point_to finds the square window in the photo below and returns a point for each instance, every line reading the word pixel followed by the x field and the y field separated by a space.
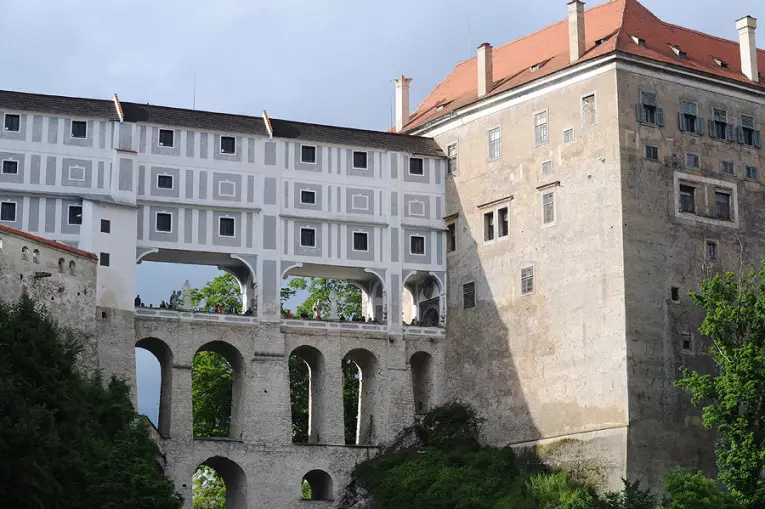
pixel 164 222
pixel 727 167
pixel 468 295
pixel 495 144
pixel 589 111
pixel 541 133
pixel 687 199
pixel 711 250
pixel 165 181
pixel 308 237
pixel 568 135
pixel 12 123
pixel 417 244
pixel 527 280
pixel 360 241
pixel 451 154
pixel 451 237
pixel 106 226
pixel 307 154
pixel 416 166
pixel 360 160
pixel 751 173
pixel 547 168
pixel 226 227
pixel 10 167
pixel 722 205
pixel 674 294
pixel 79 129
pixel 166 137
pixel 227 145
pixel 104 259
pixel 308 197
pixel 692 160
pixel 77 173
pixel 8 211
pixel 503 223
pixel 75 214
pixel 651 153
pixel 548 208
pixel 488 226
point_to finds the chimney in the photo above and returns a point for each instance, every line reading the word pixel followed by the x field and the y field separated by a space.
pixel 746 27
pixel 485 69
pixel 402 102
pixel 576 42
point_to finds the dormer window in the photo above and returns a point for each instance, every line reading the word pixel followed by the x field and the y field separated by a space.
pixel 678 51
pixel 721 63
pixel 601 41
pixel 440 107
pixel 640 42
pixel 536 67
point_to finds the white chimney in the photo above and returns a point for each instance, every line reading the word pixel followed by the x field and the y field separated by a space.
pixel 746 27
pixel 485 69
pixel 576 42
pixel 402 102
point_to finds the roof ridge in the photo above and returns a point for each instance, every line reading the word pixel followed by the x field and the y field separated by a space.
pixel 373 131
pixel 52 243
pixel 38 94
pixel 177 108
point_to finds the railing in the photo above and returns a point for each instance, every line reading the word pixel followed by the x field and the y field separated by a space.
pixel 413 330
pixel 192 316
pixel 319 324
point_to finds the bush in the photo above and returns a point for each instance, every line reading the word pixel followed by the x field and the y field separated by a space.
pixel 450 425
pixel 695 491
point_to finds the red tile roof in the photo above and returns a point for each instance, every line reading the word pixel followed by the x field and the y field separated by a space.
pixel 51 243
pixel 609 28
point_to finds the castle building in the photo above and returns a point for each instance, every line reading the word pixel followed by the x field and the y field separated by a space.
pixel 599 169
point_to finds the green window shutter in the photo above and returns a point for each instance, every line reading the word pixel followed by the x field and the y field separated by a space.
pixel 700 126
pixel 640 113
pixel 682 121
pixel 660 116
pixel 712 130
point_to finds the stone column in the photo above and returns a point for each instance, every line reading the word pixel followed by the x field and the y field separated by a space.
pixel 181 424
pixel 268 417
pixel 327 405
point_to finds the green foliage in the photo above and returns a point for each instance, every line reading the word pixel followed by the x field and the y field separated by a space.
pixel 221 291
pixel 733 399
pixel 694 491
pixel 319 289
pixel 631 497
pixel 559 491
pixel 212 386
pixel 451 425
pixel 305 491
pixel 351 387
pixel 67 440
pixel 208 491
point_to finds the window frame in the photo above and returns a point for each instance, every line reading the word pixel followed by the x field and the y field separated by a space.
pixel 748 174
pixel 422 167
pixel 489 227
pixel 725 124
pixel 366 160
pixel 307 228
pixel 172 138
pixel 424 246
pixel 18 123
pixel 233 227
pixel 2 167
pixel 545 127
pixel 69 175
pixel 471 291
pixel 720 192
pixel 497 142
pixel 104 259
pixel 15 210
pixel 697 120
pixel 308 191
pixel 750 130
pixel 451 159
pixel 525 278
pixel 220 144
pixel 366 241
pixel 582 97
pixel 156 221
pixel 692 195
pixel 315 153
pixel 698 160
pixel 166 175
pixel 451 236
pixel 499 223
pixel 709 243
pixel 573 137
pixel 71 129
pixel 658 113
pixel 543 194
pixel 107 223
pixel 656 150
pixel 732 167
pixel 542 172
pixel 69 215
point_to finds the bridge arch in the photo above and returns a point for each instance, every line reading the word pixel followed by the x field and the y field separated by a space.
pixel 321 485
pixel 164 355
pixel 233 477
pixel 370 402
pixel 421 370
pixel 236 363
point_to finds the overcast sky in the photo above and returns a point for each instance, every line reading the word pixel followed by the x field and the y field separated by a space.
pixel 328 61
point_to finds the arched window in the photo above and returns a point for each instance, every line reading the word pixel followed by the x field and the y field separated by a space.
pixel 311 410
pixel 36 256
pixel 152 392
pixel 421 366
pixel 25 253
pixel 360 378
pixel 72 265
pixel 217 413
pixel 61 265
pixel 317 485
pixel 219 472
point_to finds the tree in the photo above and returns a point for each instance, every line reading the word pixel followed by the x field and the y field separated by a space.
pixel 733 398
pixel 208 489
pixel 212 384
pixel 222 291
pixel 68 439
pixel 319 289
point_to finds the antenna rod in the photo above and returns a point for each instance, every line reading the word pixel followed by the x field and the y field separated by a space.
pixel 194 103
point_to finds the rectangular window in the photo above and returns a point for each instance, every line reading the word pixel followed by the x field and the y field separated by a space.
pixel 674 294
pixel 106 226
pixel 495 144
pixel 164 222
pixel 308 197
pixel 226 227
pixel 8 211
pixel 751 172
pixel 688 118
pixel 747 135
pixel 548 208
pixel 568 135
pixel 166 137
pixel 692 160
pixel 165 181
pixel 722 205
pixel 75 214
pixel 79 129
pixel 647 110
pixel 589 111
pixel 12 123
pixel 307 154
pixel 727 167
pixel 360 241
pixel 547 168
pixel 718 125
pixel 10 167
pixel 417 244
pixel 104 259
pixel 451 153
pixel 503 222
pixel 652 153
pixel 308 237
pixel 687 200
pixel 451 237
pixel 359 160
pixel 488 226
pixel 541 133
pixel 686 340
pixel 711 250
pixel 468 295
pixel 227 145
pixel 527 280
pixel 416 166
